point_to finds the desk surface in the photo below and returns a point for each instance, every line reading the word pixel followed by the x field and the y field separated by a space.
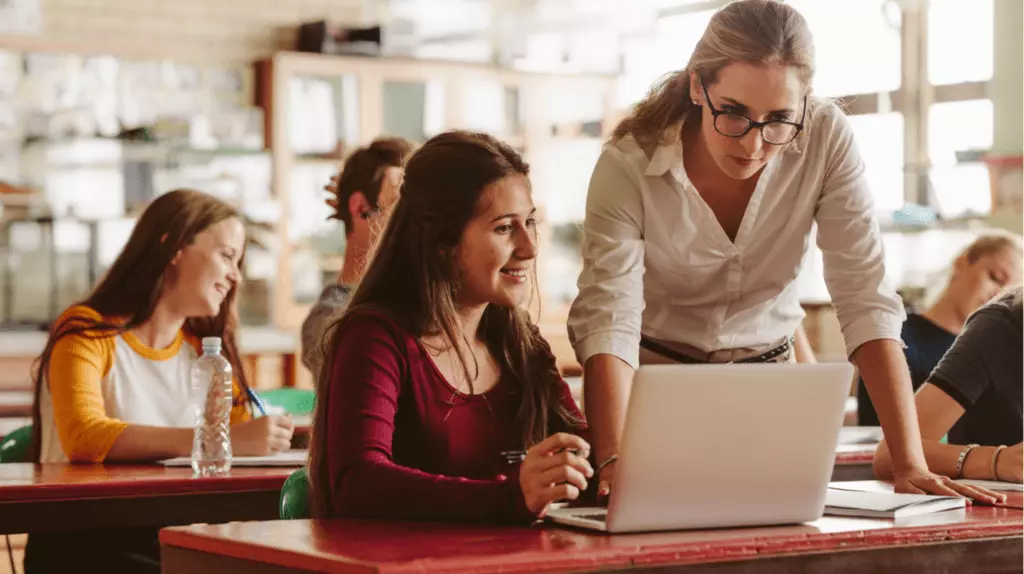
pixel 19 482
pixel 370 546
pixel 48 497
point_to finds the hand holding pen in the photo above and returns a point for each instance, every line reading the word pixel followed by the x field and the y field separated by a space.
pixel 554 469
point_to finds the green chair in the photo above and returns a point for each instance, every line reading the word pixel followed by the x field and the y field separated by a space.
pixel 295 496
pixel 14 446
pixel 293 401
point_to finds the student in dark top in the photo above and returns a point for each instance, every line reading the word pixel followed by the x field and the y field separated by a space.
pixel 975 395
pixel 437 369
pixel 985 267
pixel 361 195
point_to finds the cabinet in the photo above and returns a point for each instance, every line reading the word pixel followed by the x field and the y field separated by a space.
pixel 319 107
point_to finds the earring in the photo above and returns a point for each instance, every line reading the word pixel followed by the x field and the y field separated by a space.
pixel 696 103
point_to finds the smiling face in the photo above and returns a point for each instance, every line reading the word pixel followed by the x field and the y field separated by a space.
pixel 760 93
pixel 498 247
pixel 205 271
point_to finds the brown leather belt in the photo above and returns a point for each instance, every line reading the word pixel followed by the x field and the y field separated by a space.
pixel 678 357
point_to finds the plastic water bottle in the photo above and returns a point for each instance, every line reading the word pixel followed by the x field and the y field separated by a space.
pixel 211 445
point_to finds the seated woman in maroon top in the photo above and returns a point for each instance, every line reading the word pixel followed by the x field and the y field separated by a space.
pixel 438 370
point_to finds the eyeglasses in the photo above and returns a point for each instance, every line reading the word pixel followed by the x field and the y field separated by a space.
pixel 774 132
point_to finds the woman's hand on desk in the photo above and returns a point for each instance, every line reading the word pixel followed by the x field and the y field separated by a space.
pixel 262 436
pixel 554 469
pixel 926 482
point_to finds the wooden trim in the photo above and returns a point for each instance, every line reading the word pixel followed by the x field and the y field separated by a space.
pixel 914 103
pixel 961 92
pixel 990 545
pixel 74 514
pixel 992 555
pixel 175 560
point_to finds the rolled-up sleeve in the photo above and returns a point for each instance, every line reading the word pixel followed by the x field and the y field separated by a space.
pixel 868 308
pixel 605 318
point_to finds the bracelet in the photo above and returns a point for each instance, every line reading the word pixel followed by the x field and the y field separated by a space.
pixel 608 461
pixel 995 461
pixel 963 456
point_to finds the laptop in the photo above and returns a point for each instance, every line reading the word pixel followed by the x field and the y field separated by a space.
pixel 716 446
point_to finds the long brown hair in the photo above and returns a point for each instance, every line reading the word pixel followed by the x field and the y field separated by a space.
pixel 764 32
pixel 129 291
pixel 412 277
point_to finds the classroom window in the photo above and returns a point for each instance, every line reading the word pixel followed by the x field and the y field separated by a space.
pixel 645 59
pixel 960 44
pixel 560 186
pixel 957 133
pixel 879 138
pixel 857 45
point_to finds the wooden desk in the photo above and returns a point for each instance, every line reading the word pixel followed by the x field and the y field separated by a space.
pixel 55 497
pixel 979 539
pixel 15 403
pixel 9 424
pixel 854 465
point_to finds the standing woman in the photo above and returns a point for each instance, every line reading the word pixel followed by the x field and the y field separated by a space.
pixel 698 214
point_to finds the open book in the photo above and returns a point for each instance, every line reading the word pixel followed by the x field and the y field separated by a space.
pixel 295 458
pixel 886 504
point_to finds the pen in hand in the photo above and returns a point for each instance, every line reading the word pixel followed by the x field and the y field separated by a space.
pixel 256 401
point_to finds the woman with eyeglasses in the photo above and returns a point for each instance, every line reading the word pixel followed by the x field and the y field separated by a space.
pixel 699 213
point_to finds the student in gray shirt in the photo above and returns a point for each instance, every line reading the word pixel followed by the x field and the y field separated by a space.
pixel 362 195
pixel 975 395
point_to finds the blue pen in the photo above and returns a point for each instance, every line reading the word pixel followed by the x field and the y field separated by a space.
pixel 256 401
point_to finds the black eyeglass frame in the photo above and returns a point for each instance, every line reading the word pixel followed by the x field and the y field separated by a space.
pixel 751 124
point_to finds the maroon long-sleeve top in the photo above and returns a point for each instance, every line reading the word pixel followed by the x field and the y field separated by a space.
pixel 403 444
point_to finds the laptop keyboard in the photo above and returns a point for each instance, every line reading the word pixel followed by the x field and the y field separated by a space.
pixel 598 516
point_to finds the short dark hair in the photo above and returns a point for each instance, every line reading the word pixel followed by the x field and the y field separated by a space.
pixel 364 172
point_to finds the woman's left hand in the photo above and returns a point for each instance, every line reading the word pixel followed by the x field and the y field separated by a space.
pixel 919 481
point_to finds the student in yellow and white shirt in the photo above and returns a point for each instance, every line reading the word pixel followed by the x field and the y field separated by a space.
pixel 113 382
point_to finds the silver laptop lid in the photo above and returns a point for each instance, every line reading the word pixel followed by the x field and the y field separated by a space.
pixel 710 446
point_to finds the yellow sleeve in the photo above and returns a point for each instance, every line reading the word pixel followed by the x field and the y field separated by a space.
pixel 77 367
pixel 239 405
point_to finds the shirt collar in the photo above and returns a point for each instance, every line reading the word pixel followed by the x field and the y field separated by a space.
pixel 668 157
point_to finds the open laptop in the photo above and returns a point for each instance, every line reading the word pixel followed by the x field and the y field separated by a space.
pixel 711 446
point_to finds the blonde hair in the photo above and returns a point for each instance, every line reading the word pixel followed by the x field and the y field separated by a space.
pixel 763 32
pixel 990 244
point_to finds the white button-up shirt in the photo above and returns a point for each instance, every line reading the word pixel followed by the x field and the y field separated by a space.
pixel 657 262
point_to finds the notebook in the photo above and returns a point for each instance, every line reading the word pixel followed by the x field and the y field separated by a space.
pixel 1014 493
pixel 994 486
pixel 294 458
pixel 886 504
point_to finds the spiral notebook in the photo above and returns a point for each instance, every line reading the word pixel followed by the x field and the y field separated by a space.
pixel 295 458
